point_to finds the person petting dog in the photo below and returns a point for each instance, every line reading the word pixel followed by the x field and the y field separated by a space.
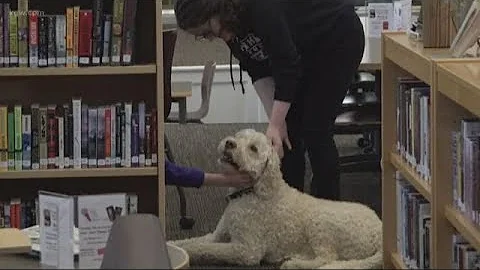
pixel 193 177
pixel 302 56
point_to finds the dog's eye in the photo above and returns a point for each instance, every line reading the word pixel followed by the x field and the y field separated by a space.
pixel 253 148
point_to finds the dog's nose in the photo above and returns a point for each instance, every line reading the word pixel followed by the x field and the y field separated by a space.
pixel 229 144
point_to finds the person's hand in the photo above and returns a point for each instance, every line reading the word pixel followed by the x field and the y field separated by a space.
pixel 238 179
pixel 279 135
pixel 228 178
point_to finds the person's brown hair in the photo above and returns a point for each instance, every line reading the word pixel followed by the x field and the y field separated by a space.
pixel 193 13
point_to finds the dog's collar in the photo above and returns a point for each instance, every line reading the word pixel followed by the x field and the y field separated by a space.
pixel 239 193
pixel 245 191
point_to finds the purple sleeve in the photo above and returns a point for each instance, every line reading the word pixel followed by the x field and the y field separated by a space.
pixel 183 176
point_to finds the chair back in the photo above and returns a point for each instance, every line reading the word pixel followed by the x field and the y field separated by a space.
pixel 206 89
pixel 169 42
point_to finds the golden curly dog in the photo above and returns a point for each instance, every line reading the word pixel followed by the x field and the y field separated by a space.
pixel 274 223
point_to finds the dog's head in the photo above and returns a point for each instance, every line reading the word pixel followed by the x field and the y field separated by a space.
pixel 249 151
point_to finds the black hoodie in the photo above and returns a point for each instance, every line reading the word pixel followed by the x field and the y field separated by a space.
pixel 274 33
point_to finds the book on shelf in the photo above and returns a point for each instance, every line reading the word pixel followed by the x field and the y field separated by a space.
pixel 413 124
pixel 464 255
pixel 23 213
pixel 77 135
pixel 81 36
pixel 466 168
pixel 413 225
pixel 469 32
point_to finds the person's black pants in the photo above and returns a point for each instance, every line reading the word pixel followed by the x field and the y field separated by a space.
pixel 328 71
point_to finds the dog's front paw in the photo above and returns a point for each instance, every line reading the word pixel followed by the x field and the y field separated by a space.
pixel 181 243
pixel 298 263
pixel 196 254
pixel 186 246
pixel 336 265
pixel 177 243
pixel 291 264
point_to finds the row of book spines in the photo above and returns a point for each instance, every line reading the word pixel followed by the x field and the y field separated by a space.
pixel 413 114
pixel 465 256
pixel 81 37
pixel 414 225
pixel 47 142
pixel 19 213
pixel 465 168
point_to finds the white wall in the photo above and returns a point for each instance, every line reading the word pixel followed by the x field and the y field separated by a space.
pixel 226 105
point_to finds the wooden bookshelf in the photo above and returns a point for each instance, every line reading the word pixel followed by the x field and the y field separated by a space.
pixel 454 94
pixel 464 226
pixel 410 56
pixel 78 71
pixel 82 173
pixel 412 175
pixel 141 80
pixel 456 87
pixel 398 262
pixel 459 82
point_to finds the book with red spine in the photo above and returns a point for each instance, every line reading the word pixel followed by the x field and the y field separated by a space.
pixel 85 23
pixel 13 214
pixel 33 38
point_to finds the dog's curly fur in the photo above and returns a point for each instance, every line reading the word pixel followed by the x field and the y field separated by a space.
pixel 278 224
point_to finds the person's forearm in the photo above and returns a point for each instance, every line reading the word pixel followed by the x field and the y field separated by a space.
pixel 214 179
pixel 279 112
pixel 276 110
pixel 265 89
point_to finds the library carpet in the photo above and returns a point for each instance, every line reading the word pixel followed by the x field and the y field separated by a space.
pixel 195 145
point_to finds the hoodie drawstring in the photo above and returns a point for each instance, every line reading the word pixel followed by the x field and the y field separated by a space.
pixel 231 74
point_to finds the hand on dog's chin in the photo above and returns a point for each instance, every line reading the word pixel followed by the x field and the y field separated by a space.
pixel 228 168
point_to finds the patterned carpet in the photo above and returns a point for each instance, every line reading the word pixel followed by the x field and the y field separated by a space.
pixel 195 145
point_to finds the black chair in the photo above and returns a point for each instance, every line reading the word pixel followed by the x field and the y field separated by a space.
pixel 361 114
pixel 169 41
